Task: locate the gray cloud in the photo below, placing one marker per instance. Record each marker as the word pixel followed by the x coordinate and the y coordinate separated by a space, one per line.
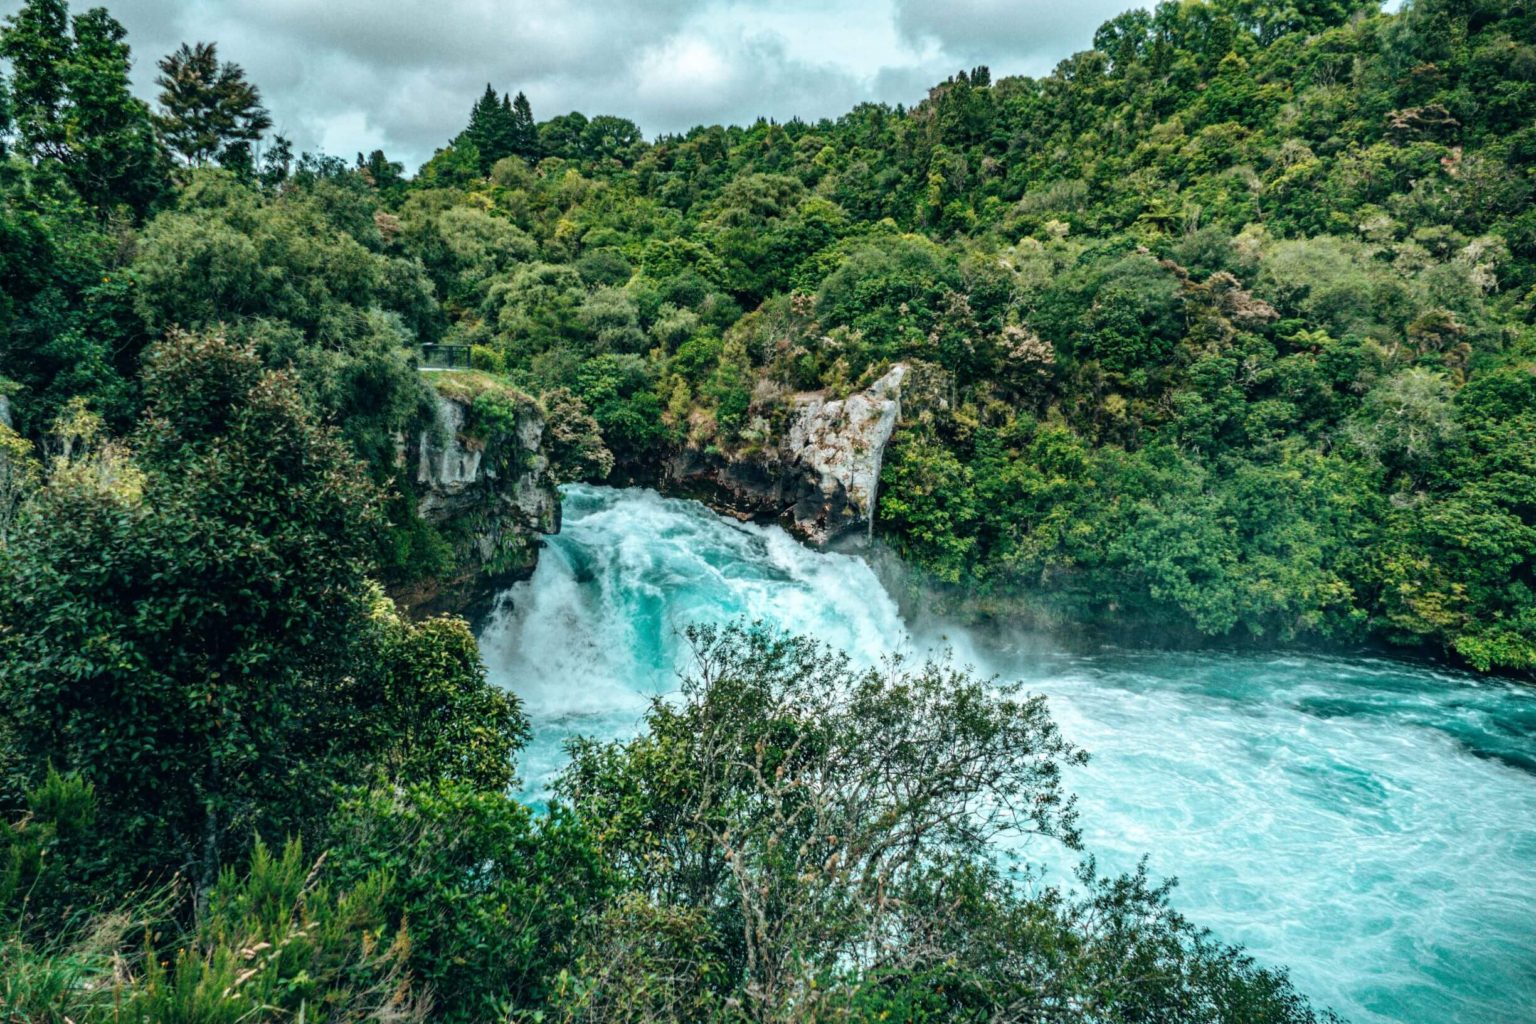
pixel 1034 33
pixel 350 75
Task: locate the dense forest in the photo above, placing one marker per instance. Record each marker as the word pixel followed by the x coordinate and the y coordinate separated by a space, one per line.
pixel 1226 329
pixel 1223 328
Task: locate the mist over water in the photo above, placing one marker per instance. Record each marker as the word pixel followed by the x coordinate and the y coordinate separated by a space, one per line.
pixel 1371 824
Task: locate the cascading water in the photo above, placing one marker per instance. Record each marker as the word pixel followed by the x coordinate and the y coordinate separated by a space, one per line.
pixel 1370 824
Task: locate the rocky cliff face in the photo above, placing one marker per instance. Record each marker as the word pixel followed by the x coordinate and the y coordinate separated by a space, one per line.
pixel 484 482
pixel 480 473
pixel 820 478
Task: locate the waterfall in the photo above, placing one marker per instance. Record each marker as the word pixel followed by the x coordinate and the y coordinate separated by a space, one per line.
pixel 1369 823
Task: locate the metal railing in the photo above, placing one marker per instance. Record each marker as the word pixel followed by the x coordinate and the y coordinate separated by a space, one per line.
pixel 445 357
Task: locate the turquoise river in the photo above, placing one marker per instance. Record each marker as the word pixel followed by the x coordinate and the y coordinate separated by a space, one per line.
pixel 1370 823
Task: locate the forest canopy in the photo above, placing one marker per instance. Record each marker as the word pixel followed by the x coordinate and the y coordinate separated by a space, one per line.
pixel 1221 330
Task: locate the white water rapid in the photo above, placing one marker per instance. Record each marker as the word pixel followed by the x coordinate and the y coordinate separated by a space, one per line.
pixel 1369 823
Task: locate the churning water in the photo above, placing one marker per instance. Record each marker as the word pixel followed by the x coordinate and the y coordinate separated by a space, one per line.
pixel 1369 823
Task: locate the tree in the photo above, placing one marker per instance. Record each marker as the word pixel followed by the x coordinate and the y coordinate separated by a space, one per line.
pixel 525 134
pixel 67 329
pixel 500 128
pixel 608 138
pixel 5 118
pixel 793 800
pixel 435 718
pixel 210 113
pixel 492 894
pixel 201 651
pixel 115 154
pixel 492 129
pixel 1407 421
pixel 290 274
pixel 383 173
pixel 561 135
pixel 276 162
pixel 827 840
pixel 36 42
pixel 1269 19
pixel 575 443
pixel 19 477
pixel 731 387
pixel 193 633
pixel 758 231
pixel 70 103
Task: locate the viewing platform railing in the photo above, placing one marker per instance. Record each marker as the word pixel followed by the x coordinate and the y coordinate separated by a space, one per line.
pixel 445 357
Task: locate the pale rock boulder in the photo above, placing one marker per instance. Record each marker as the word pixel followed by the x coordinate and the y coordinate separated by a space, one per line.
pixel 820 479
pixel 843 443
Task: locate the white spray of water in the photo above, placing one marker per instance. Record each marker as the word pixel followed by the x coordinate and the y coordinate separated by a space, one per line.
pixel 1370 824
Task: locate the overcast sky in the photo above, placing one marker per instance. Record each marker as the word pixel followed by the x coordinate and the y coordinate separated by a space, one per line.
pixel 350 75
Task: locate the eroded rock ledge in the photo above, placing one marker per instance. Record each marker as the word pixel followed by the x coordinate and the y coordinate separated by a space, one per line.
pixel 480 474
pixel 482 478
pixel 820 479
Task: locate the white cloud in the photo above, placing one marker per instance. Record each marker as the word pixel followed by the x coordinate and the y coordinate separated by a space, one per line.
pixel 681 66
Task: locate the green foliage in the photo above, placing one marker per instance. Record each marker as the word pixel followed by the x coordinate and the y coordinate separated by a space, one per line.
pixel 524 135
pixel 1221 329
pixel 47 858
pixel 216 663
pixel 491 129
pixel 296 278
pixel 762 227
pixel 414 550
pixel 889 292
pixel 188 635
pixel 930 503
pixel 220 669
pixel 209 111
pixel 20 474
pixel 493 895
pixel 598 140
pixel 573 439
pixel 731 387
pixel 617 389
pixel 280 941
pixel 70 104
pixel 799 840
pixel 463 249
pixel 433 714
pixel 276 940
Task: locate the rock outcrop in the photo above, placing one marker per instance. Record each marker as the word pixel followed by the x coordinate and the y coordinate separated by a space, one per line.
pixel 821 478
pixel 483 481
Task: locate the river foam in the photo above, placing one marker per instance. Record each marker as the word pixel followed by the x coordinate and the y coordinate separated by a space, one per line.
pixel 1369 823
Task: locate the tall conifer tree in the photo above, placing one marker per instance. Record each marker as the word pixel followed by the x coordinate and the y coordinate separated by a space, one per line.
pixel 36 43
pixel 525 134
pixel 116 154
pixel 492 129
